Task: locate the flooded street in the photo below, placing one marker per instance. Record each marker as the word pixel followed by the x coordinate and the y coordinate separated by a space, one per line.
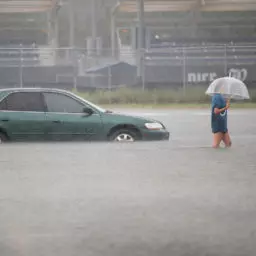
pixel 172 198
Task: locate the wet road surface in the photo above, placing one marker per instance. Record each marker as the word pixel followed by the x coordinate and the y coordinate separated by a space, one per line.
pixel 145 199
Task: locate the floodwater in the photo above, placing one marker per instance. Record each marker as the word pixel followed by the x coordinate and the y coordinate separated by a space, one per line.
pixel 178 197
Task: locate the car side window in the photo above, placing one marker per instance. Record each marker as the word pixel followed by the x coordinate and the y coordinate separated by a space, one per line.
pixel 23 101
pixel 60 103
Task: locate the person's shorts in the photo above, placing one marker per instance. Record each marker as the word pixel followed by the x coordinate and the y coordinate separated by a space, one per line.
pixel 220 131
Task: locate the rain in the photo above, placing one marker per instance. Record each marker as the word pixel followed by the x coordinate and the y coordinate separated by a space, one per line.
pixel 170 197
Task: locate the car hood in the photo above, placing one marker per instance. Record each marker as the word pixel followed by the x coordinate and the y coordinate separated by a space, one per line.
pixel 121 117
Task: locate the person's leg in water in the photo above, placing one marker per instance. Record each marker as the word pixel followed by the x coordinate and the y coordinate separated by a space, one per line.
pixel 217 138
pixel 227 140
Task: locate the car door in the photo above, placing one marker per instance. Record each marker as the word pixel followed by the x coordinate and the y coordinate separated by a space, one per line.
pixel 22 116
pixel 66 119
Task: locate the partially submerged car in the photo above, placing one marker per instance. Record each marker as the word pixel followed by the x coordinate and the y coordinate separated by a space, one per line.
pixel 36 114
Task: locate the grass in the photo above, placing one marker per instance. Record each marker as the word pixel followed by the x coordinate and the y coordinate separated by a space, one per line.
pixel 178 106
pixel 194 97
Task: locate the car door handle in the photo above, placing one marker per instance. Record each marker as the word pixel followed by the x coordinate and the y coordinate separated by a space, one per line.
pixel 56 121
pixel 5 120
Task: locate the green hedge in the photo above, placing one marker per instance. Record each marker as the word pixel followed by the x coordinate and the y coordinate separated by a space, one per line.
pixel 137 96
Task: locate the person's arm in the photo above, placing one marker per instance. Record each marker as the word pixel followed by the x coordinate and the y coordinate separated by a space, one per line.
pixel 219 110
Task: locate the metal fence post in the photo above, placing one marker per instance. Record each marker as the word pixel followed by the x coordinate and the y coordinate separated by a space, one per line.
pixel 75 83
pixel 74 62
pixel 92 79
pixel 225 61
pixel 184 71
pixel 21 69
pixel 143 71
pixel 109 83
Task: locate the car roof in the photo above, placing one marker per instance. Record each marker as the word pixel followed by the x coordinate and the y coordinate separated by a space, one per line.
pixel 33 89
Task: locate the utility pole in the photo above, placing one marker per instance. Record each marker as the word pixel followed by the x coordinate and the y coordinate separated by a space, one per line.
pixel 71 24
pixel 94 22
pixel 141 38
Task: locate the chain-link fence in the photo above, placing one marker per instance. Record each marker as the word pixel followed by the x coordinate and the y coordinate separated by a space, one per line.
pixel 199 65
pixel 108 69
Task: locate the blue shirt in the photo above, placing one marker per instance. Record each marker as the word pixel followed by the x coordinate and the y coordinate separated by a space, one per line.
pixel 219 121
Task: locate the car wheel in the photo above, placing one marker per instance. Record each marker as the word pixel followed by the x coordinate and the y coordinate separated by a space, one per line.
pixel 124 135
pixel 3 138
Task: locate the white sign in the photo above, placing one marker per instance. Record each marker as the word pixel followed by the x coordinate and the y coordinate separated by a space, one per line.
pixel 201 77
pixel 240 74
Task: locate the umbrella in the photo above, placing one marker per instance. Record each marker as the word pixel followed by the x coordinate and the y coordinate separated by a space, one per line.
pixel 229 87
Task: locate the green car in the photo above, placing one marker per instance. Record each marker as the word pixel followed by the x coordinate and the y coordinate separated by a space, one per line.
pixel 57 115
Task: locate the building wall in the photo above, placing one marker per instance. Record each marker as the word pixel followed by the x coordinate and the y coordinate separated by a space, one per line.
pixel 36 25
pixel 190 28
pixel 23 28
pixel 83 21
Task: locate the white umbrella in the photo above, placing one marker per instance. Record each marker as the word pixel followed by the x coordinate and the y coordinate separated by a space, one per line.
pixel 229 87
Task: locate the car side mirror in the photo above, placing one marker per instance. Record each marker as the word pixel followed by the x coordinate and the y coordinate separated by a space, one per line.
pixel 88 111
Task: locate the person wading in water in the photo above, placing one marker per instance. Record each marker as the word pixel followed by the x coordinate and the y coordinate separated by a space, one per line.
pixel 219 117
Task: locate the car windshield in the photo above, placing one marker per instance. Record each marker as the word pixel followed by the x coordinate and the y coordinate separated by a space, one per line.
pixel 100 109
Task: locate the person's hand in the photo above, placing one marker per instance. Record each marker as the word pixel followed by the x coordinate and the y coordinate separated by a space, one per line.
pixel 228 104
